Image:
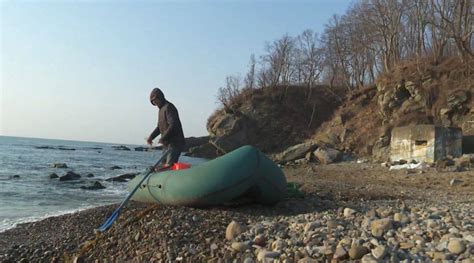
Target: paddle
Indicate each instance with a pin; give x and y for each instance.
(116, 213)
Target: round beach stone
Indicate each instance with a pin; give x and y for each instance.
(456, 246)
(240, 246)
(384, 224)
(331, 224)
(264, 255)
(259, 240)
(379, 252)
(431, 223)
(278, 245)
(348, 212)
(233, 230)
(213, 246)
(311, 226)
(340, 253)
(307, 260)
(357, 252)
(368, 258)
(377, 232)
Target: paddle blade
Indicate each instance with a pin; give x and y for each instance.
(109, 221)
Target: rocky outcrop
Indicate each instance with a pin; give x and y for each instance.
(192, 142)
(381, 149)
(230, 131)
(327, 155)
(296, 152)
(410, 94)
(207, 151)
(272, 119)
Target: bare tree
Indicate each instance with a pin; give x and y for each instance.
(227, 94)
(277, 58)
(262, 76)
(370, 38)
(309, 59)
(250, 77)
(384, 18)
(454, 19)
(416, 28)
(336, 51)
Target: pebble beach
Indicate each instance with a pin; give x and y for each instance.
(342, 224)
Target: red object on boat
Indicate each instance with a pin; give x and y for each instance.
(180, 166)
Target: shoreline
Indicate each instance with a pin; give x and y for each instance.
(32, 219)
(427, 220)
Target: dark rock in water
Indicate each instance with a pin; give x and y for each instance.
(55, 148)
(53, 176)
(58, 165)
(121, 147)
(89, 175)
(16, 176)
(44, 147)
(69, 176)
(65, 148)
(141, 149)
(147, 149)
(115, 167)
(95, 186)
(122, 178)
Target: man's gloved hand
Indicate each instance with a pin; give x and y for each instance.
(149, 141)
(150, 169)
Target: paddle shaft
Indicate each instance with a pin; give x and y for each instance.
(115, 214)
(124, 202)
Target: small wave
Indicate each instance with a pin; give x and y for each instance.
(6, 224)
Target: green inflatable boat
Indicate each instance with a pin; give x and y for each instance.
(243, 172)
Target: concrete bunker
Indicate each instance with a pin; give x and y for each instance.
(425, 143)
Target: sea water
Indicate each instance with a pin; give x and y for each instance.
(28, 194)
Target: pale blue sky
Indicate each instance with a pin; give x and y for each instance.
(83, 70)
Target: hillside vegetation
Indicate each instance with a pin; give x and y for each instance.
(414, 92)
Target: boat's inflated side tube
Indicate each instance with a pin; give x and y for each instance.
(216, 182)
